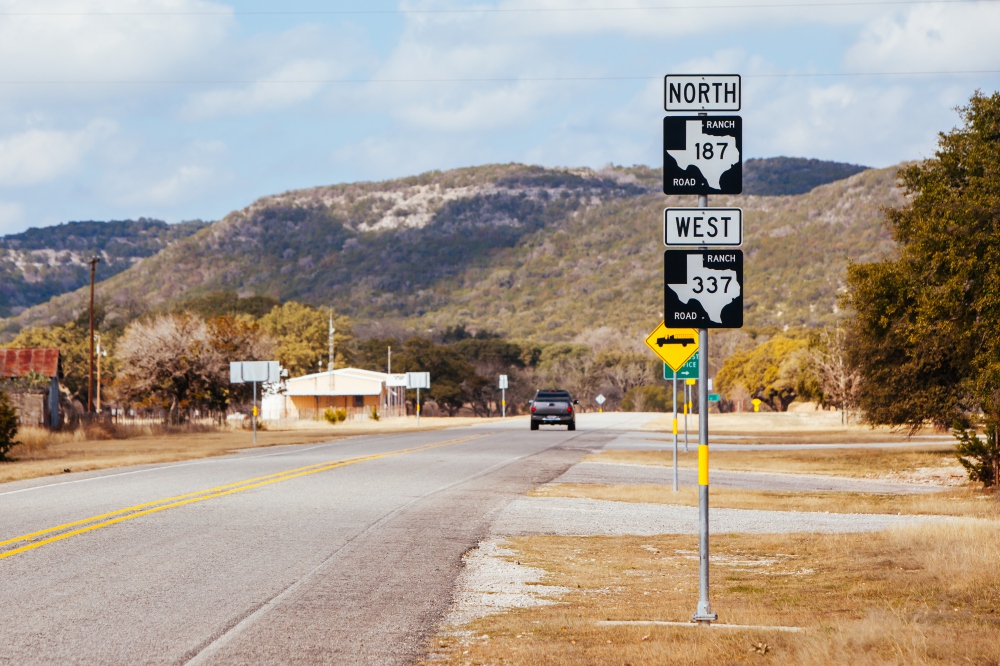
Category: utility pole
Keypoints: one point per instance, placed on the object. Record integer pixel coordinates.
(389, 368)
(99, 352)
(90, 378)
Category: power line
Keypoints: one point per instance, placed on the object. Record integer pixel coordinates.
(506, 79)
(514, 10)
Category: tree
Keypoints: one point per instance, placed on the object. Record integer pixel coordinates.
(980, 456)
(776, 371)
(452, 377)
(839, 382)
(302, 335)
(171, 362)
(8, 425)
(239, 339)
(74, 349)
(924, 337)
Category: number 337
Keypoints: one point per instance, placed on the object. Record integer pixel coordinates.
(713, 285)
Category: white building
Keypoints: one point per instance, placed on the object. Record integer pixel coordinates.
(356, 391)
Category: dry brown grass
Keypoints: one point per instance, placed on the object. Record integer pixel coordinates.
(857, 463)
(966, 502)
(920, 595)
(44, 453)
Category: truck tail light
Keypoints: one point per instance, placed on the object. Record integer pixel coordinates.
(569, 409)
(532, 409)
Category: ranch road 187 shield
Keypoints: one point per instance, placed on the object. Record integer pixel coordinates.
(702, 155)
(703, 288)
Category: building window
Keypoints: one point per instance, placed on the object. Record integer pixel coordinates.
(359, 401)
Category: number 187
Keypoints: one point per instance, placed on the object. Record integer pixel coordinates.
(707, 150)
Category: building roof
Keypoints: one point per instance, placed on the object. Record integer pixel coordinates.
(346, 381)
(19, 362)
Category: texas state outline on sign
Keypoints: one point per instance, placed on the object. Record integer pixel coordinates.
(713, 288)
(712, 168)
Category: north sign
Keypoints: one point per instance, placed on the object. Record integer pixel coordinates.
(702, 92)
(703, 226)
(702, 155)
(703, 288)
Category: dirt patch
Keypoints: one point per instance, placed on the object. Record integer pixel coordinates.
(918, 595)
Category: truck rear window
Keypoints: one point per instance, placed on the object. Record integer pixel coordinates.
(552, 396)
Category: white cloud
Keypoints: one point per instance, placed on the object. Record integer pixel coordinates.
(960, 36)
(38, 156)
(304, 79)
(194, 171)
(97, 40)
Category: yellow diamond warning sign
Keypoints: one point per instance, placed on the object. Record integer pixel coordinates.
(674, 345)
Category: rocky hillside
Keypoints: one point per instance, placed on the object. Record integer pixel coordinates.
(41, 263)
(533, 252)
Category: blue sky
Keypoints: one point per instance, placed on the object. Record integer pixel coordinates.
(183, 109)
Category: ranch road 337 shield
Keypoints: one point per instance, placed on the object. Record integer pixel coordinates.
(703, 288)
(703, 155)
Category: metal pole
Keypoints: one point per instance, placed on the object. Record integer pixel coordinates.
(418, 407)
(90, 376)
(503, 403)
(98, 374)
(687, 408)
(254, 412)
(704, 614)
(675, 430)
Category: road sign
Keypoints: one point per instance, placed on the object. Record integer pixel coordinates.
(703, 288)
(702, 92)
(600, 399)
(254, 371)
(503, 382)
(418, 380)
(713, 397)
(702, 155)
(673, 346)
(703, 226)
(688, 371)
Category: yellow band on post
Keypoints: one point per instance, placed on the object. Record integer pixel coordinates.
(702, 464)
(675, 425)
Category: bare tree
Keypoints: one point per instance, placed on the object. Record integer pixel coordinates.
(838, 381)
(170, 361)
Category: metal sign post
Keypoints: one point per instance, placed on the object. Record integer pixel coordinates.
(418, 380)
(503, 394)
(600, 402)
(241, 372)
(675, 432)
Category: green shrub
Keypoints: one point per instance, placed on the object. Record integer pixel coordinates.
(979, 457)
(8, 425)
(647, 399)
(334, 415)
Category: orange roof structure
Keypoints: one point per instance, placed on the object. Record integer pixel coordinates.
(19, 362)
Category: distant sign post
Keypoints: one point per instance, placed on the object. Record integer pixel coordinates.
(418, 380)
(241, 372)
(503, 394)
(600, 401)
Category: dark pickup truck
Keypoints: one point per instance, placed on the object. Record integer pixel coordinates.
(553, 407)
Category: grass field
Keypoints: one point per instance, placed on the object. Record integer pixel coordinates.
(965, 502)
(43, 453)
(919, 595)
(902, 463)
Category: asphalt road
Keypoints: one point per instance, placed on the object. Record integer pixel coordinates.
(341, 553)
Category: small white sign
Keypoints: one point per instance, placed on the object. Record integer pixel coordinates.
(418, 380)
(503, 381)
(702, 92)
(703, 226)
(254, 371)
(396, 380)
(600, 399)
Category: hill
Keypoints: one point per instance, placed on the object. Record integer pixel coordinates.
(532, 252)
(778, 176)
(41, 263)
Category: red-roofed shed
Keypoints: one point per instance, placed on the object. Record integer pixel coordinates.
(19, 362)
(34, 408)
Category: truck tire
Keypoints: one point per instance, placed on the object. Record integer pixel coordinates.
(572, 425)
(534, 425)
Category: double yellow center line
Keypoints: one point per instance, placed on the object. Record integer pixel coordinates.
(26, 542)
